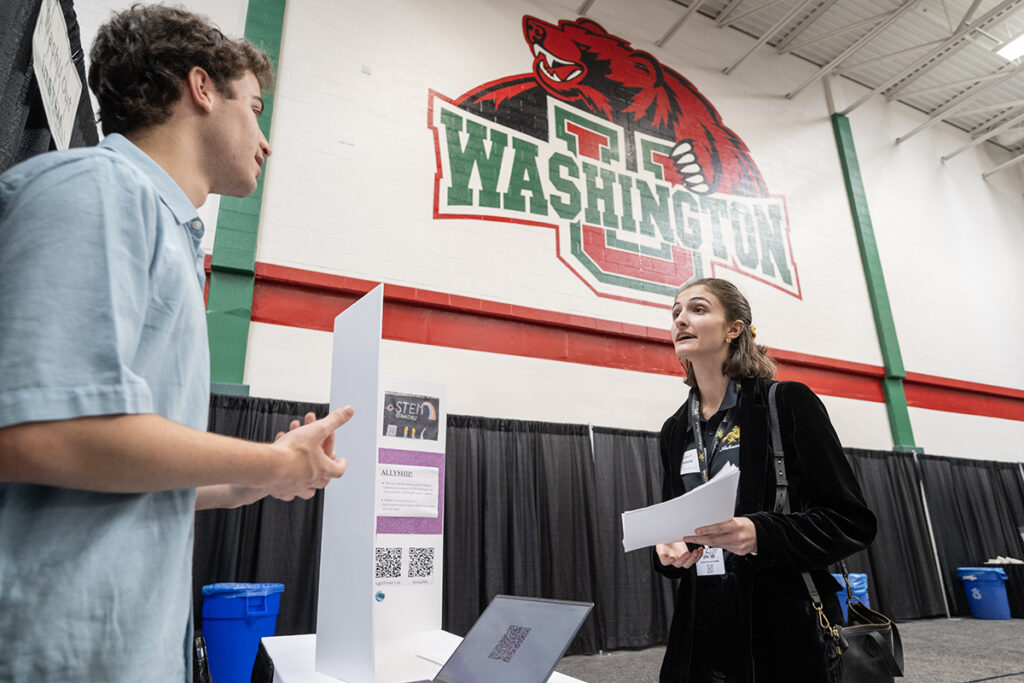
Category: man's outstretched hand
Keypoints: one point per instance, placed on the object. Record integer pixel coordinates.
(307, 458)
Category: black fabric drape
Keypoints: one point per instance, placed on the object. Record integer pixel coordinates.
(977, 511)
(269, 541)
(900, 564)
(633, 604)
(532, 509)
(24, 131)
(518, 517)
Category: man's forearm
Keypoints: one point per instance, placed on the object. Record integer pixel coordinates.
(217, 496)
(128, 454)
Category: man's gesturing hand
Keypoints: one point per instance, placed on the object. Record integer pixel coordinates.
(307, 461)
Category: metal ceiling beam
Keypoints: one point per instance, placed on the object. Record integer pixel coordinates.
(957, 41)
(804, 25)
(991, 107)
(1007, 110)
(991, 134)
(858, 44)
(694, 6)
(952, 84)
(729, 8)
(1012, 162)
(967, 15)
(584, 7)
(750, 12)
(849, 68)
(962, 100)
(945, 47)
(769, 33)
(841, 30)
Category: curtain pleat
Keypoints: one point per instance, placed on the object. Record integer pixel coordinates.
(977, 512)
(519, 517)
(633, 604)
(900, 564)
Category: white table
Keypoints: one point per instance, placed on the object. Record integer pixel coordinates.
(407, 657)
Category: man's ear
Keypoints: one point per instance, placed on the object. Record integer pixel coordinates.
(199, 88)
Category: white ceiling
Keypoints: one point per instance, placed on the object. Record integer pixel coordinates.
(934, 55)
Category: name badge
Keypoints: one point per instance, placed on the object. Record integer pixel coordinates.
(690, 463)
(711, 563)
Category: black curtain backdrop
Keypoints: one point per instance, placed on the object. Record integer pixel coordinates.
(269, 541)
(977, 513)
(519, 517)
(532, 509)
(633, 604)
(900, 564)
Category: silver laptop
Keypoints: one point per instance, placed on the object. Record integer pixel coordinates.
(515, 640)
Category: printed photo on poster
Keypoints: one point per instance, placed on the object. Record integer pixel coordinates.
(410, 416)
(413, 415)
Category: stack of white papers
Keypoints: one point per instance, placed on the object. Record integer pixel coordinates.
(668, 522)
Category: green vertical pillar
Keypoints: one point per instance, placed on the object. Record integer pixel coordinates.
(233, 263)
(892, 384)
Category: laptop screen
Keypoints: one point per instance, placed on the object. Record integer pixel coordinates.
(515, 640)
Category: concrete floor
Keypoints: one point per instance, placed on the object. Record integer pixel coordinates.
(958, 650)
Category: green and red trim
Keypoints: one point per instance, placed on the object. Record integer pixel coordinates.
(308, 299)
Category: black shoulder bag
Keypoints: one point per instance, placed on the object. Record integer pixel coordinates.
(868, 649)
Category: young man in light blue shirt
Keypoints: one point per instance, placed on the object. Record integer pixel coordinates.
(104, 367)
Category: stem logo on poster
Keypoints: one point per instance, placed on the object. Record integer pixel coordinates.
(408, 416)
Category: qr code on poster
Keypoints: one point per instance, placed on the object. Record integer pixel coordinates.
(389, 563)
(421, 563)
(509, 643)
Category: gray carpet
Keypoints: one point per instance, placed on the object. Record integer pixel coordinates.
(936, 651)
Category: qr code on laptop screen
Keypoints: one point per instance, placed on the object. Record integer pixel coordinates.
(509, 643)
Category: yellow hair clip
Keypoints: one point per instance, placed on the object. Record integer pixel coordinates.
(753, 332)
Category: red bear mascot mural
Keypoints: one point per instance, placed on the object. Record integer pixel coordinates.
(635, 169)
(582, 64)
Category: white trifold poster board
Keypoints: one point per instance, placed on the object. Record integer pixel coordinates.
(380, 562)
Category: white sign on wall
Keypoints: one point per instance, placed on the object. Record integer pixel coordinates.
(55, 71)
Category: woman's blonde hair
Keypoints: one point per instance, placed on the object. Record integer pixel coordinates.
(746, 357)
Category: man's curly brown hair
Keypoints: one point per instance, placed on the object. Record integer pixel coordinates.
(142, 55)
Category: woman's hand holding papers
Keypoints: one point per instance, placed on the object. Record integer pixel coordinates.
(678, 554)
(738, 536)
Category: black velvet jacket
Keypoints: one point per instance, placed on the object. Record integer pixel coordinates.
(829, 521)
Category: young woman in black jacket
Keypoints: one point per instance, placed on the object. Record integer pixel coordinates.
(742, 610)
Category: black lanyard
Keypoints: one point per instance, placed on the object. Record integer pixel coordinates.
(724, 427)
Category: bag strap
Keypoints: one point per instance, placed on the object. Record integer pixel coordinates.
(778, 455)
(782, 505)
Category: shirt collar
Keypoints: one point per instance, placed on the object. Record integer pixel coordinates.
(731, 398)
(171, 194)
(732, 395)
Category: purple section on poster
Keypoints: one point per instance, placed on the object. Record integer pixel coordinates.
(414, 525)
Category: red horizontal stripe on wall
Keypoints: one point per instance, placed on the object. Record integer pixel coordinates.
(311, 300)
(971, 398)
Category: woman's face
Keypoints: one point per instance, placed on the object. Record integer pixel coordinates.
(699, 327)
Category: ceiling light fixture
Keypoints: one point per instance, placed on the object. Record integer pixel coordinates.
(1013, 49)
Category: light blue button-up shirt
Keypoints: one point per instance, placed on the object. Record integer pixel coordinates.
(101, 312)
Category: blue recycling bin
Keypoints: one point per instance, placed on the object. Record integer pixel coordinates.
(235, 617)
(859, 586)
(986, 591)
